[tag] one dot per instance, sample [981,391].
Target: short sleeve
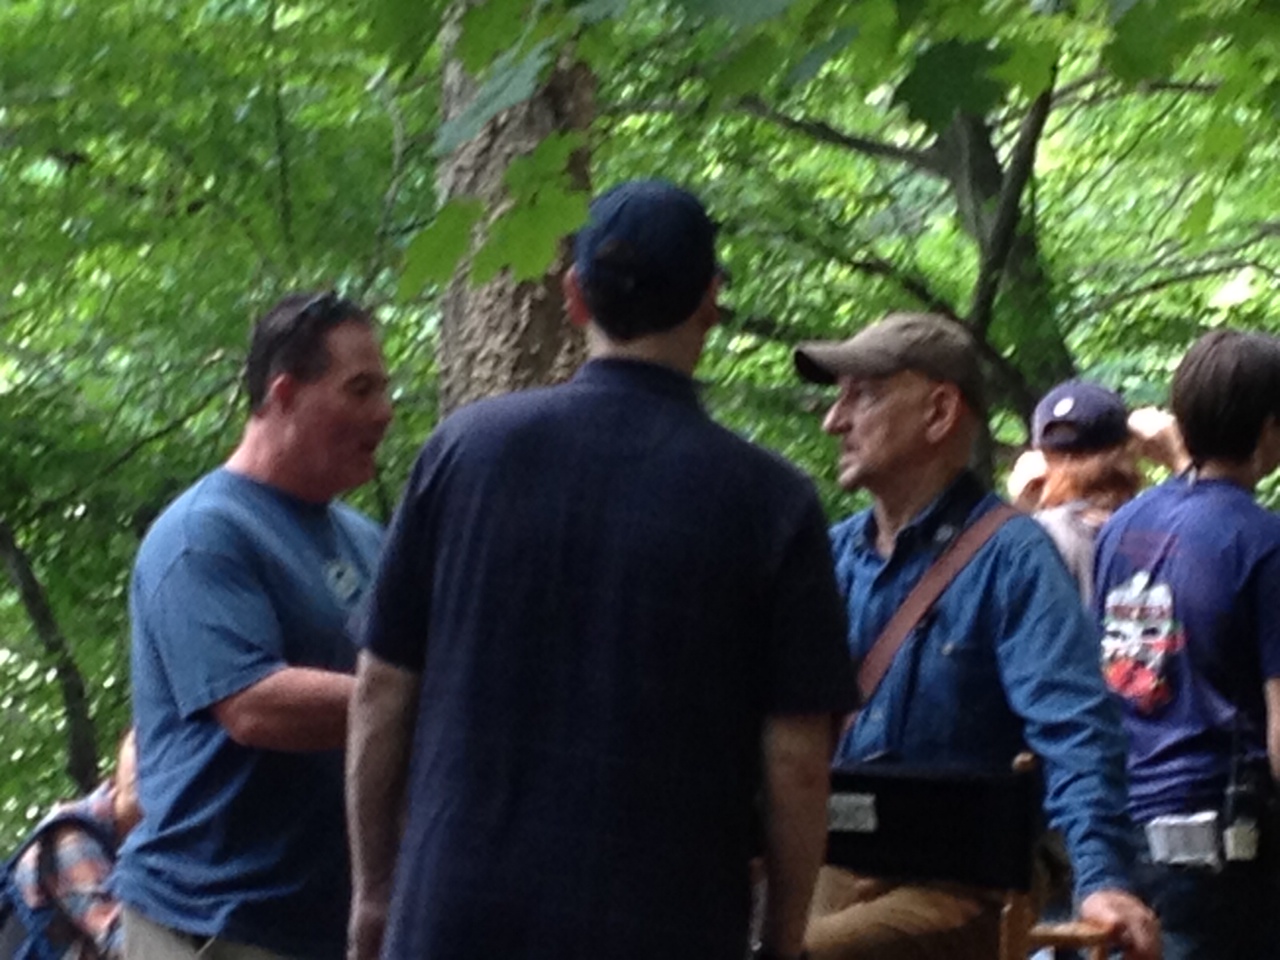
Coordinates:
[395,627]
[213,627]
[809,670]
[1267,598]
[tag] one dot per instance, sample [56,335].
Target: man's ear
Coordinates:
[946,407]
[574,300]
[282,391]
[708,310]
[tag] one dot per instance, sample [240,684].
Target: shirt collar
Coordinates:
[638,375]
[939,523]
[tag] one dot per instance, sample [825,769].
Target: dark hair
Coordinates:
[626,303]
[290,339]
[1224,390]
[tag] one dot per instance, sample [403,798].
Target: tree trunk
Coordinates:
[82,741]
[1024,317]
[505,335]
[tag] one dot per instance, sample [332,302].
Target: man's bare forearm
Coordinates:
[797,757]
[381,734]
[292,709]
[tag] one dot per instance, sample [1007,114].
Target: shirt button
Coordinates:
[948,648]
[876,714]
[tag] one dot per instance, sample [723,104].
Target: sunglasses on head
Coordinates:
[324,308]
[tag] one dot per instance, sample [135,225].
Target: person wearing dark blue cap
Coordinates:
[1091,468]
[603,626]
[1089,444]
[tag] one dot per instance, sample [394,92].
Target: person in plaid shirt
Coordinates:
[79,873]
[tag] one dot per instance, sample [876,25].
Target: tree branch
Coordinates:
[825,133]
[82,748]
[281,134]
[394,184]
[43,507]
[1102,304]
[872,265]
[995,252]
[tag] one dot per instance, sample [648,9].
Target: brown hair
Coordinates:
[1224,390]
[1102,478]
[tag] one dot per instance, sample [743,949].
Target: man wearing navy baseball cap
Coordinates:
[602,628]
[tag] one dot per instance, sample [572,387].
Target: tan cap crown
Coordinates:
[928,343]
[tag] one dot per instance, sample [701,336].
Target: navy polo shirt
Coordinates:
[606,594]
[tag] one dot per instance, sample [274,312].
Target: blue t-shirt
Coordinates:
[1188,594]
[1006,660]
[234,581]
[606,594]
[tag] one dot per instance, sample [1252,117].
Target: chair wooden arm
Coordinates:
[1073,935]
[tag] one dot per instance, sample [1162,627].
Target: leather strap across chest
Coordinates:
[925,594]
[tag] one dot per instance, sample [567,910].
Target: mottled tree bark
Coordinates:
[504,335]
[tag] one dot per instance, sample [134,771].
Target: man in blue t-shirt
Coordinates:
[243,604]
[602,627]
[1188,593]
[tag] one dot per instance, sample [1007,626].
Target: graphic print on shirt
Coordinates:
[1140,636]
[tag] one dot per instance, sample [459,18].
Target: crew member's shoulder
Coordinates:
[216,513]
[491,421]
[208,500]
[769,464]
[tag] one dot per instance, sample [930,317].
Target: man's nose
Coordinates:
[836,421]
[384,412]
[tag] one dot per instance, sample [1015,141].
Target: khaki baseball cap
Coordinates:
[928,343]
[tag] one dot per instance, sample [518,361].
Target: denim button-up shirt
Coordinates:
[1007,659]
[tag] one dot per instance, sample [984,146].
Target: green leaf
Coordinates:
[813,61]
[597,45]
[949,77]
[593,11]
[527,237]
[1150,40]
[511,80]
[403,29]
[1196,223]
[1029,66]
[749,69]
[544,167]
[910,12]
[1118,8]
[434,253]
[739,13]
[1223,142]
[488,28]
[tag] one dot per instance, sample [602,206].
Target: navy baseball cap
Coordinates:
[1078,417]
[649,248]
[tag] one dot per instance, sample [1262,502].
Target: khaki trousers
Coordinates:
[147,940]
[860,918]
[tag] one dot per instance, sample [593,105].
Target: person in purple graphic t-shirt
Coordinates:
[1187,582]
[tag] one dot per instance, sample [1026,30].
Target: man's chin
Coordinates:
[357,473]
[850,480]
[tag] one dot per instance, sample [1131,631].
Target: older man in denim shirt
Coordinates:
[1007,659]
